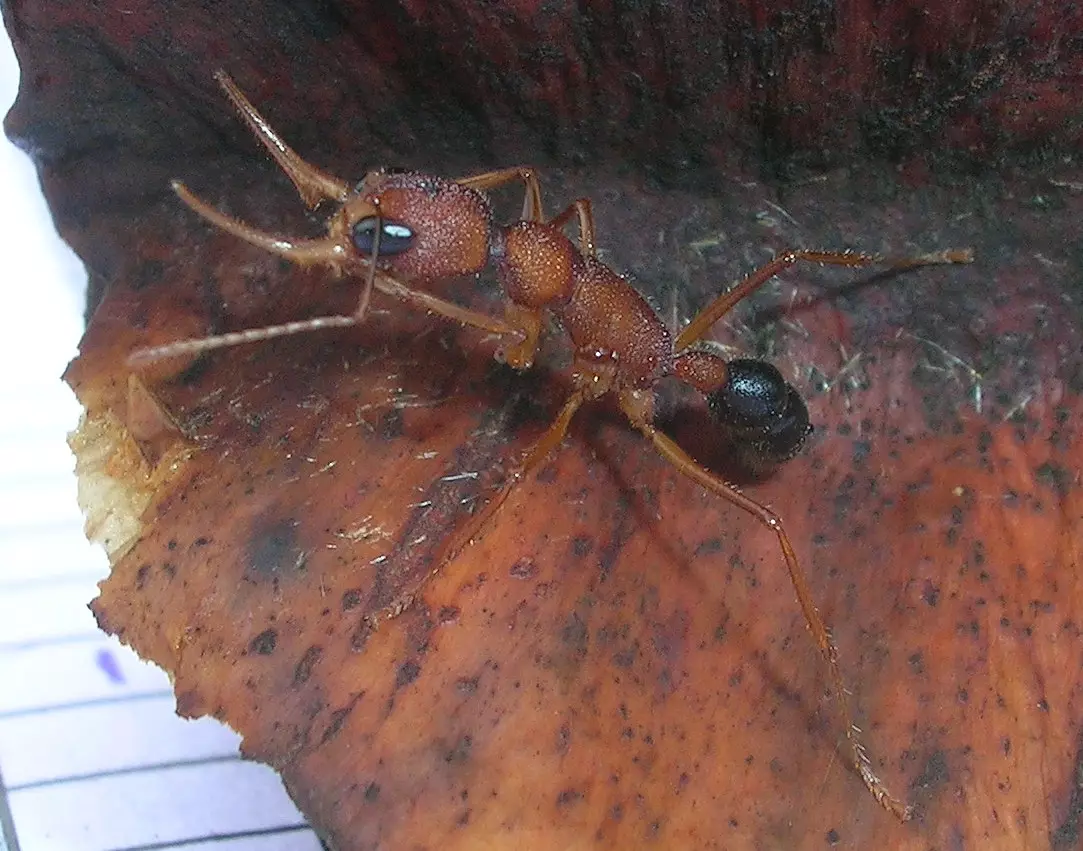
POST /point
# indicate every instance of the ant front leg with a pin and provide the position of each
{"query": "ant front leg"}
(725, 302)
(382, 282)
(532, 205)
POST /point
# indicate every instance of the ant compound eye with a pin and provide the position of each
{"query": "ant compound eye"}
(764, 415)
(395, 237)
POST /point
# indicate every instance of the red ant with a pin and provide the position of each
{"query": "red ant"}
(419, 228)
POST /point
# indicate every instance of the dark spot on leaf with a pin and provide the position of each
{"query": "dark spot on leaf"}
(391, 424)
(460, 753)
(569, 797)
(708, 546)
(466, 685)
(304, 668)
(934, 774)
(564, 738)
(581, 546)
(626, 658)
(448, 614)
(574, 634)
(524, 568)
(372, 792)
(338, 719)
(1054, 476)
(264, 643)
(360, 636)
(273, 549)
(351, 599)
(407, 673)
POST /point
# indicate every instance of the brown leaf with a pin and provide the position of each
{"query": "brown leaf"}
(619, 660)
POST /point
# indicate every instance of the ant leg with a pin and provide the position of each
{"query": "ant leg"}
(197, 345)
(422, 300)
(532, 205)
(633, 406)
(582, 209)
(313, 184)
(725, 302)
(528, 324)
(546, 444)
(381, 282)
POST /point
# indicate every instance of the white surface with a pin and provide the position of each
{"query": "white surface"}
(92, 756)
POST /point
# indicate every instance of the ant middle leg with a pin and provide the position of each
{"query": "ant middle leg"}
(582, 210)
(637, 412)
(542, 448)
(718, 308)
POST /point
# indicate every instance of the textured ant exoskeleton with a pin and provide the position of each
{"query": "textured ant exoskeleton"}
(401, 231)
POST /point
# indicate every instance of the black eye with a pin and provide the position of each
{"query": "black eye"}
(395, 237)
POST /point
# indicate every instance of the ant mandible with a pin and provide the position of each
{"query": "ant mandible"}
(401, 231)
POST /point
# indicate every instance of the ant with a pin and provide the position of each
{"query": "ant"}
(401, 231)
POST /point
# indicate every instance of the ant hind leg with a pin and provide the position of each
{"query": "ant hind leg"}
(687, 466)
(718, 308)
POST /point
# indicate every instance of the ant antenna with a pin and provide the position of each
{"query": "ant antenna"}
(198, 345)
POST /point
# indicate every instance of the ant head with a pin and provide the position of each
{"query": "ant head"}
(756, 408)
(420, 227)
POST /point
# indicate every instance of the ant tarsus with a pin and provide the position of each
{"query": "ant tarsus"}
(398, 232)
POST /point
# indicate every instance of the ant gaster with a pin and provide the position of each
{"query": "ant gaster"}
(401, 231)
